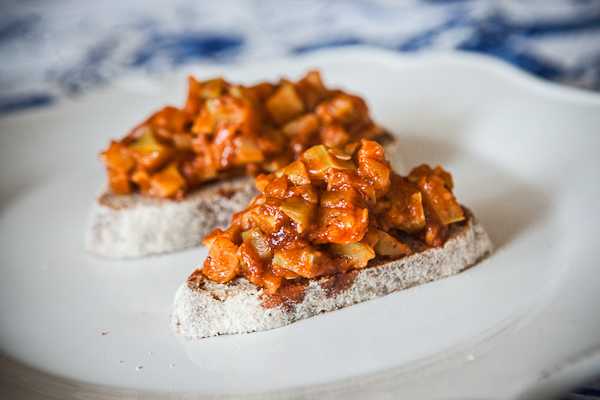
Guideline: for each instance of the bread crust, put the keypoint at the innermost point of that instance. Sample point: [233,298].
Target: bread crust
[212,309]
[131,226]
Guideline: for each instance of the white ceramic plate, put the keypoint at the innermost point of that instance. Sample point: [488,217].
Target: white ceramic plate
[525,158]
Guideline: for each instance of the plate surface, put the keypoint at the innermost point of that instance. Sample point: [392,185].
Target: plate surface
[524,157]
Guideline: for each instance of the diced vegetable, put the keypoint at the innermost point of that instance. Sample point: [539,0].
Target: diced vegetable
[297,173]
[224,111]
[149,152]
[212,88]
[277,188]
[343,108]
[210,238]
[313,78]
[351,147]
[348,198]
[261,91]
[167,183]
[441,200]
[285,104]
[340,153]
[334,135]
[193,101]
[117,158]
[204,123]
[273,144]
[232,234]
[338,179]
[146,142]
[300,211]
[370,150]
[337,225]
[318,160]
[259,242]
[406,212]
[237,112]
[142,179]
[168,121]
[275,165]
[283,273]
[271,282]
[359,253]
[303,126]
[119,182]
[377,173]
[267,218]
[262,181]
[182,142]
[252,266]
[311,89]
[388,246]
[305,261]
[201,169]
[200,91]
[367,191]
[435,232]
[425,170]
[222,263]
[307,192]
[247,151]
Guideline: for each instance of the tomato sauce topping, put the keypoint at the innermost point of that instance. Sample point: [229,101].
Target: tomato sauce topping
[226,129]
[333,210]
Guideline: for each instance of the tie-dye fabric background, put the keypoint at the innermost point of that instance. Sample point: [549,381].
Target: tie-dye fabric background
[63,47]
[52,49]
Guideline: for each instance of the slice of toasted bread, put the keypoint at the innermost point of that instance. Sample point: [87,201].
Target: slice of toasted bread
[205,308]
[135,226]
[129,226]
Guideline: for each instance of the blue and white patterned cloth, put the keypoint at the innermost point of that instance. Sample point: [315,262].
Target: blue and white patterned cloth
[52,49]
[60,48]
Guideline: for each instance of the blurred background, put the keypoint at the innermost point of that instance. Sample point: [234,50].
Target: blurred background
[62,48]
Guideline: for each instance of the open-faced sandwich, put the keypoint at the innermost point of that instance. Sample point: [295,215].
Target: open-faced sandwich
[333,228]
[184,171]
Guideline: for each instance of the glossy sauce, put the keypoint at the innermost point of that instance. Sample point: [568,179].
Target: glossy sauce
[328,214]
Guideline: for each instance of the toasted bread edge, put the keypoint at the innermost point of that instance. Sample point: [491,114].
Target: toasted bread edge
[217,309]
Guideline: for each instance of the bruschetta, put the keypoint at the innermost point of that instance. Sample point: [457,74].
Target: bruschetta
[184,171]
[333,228]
